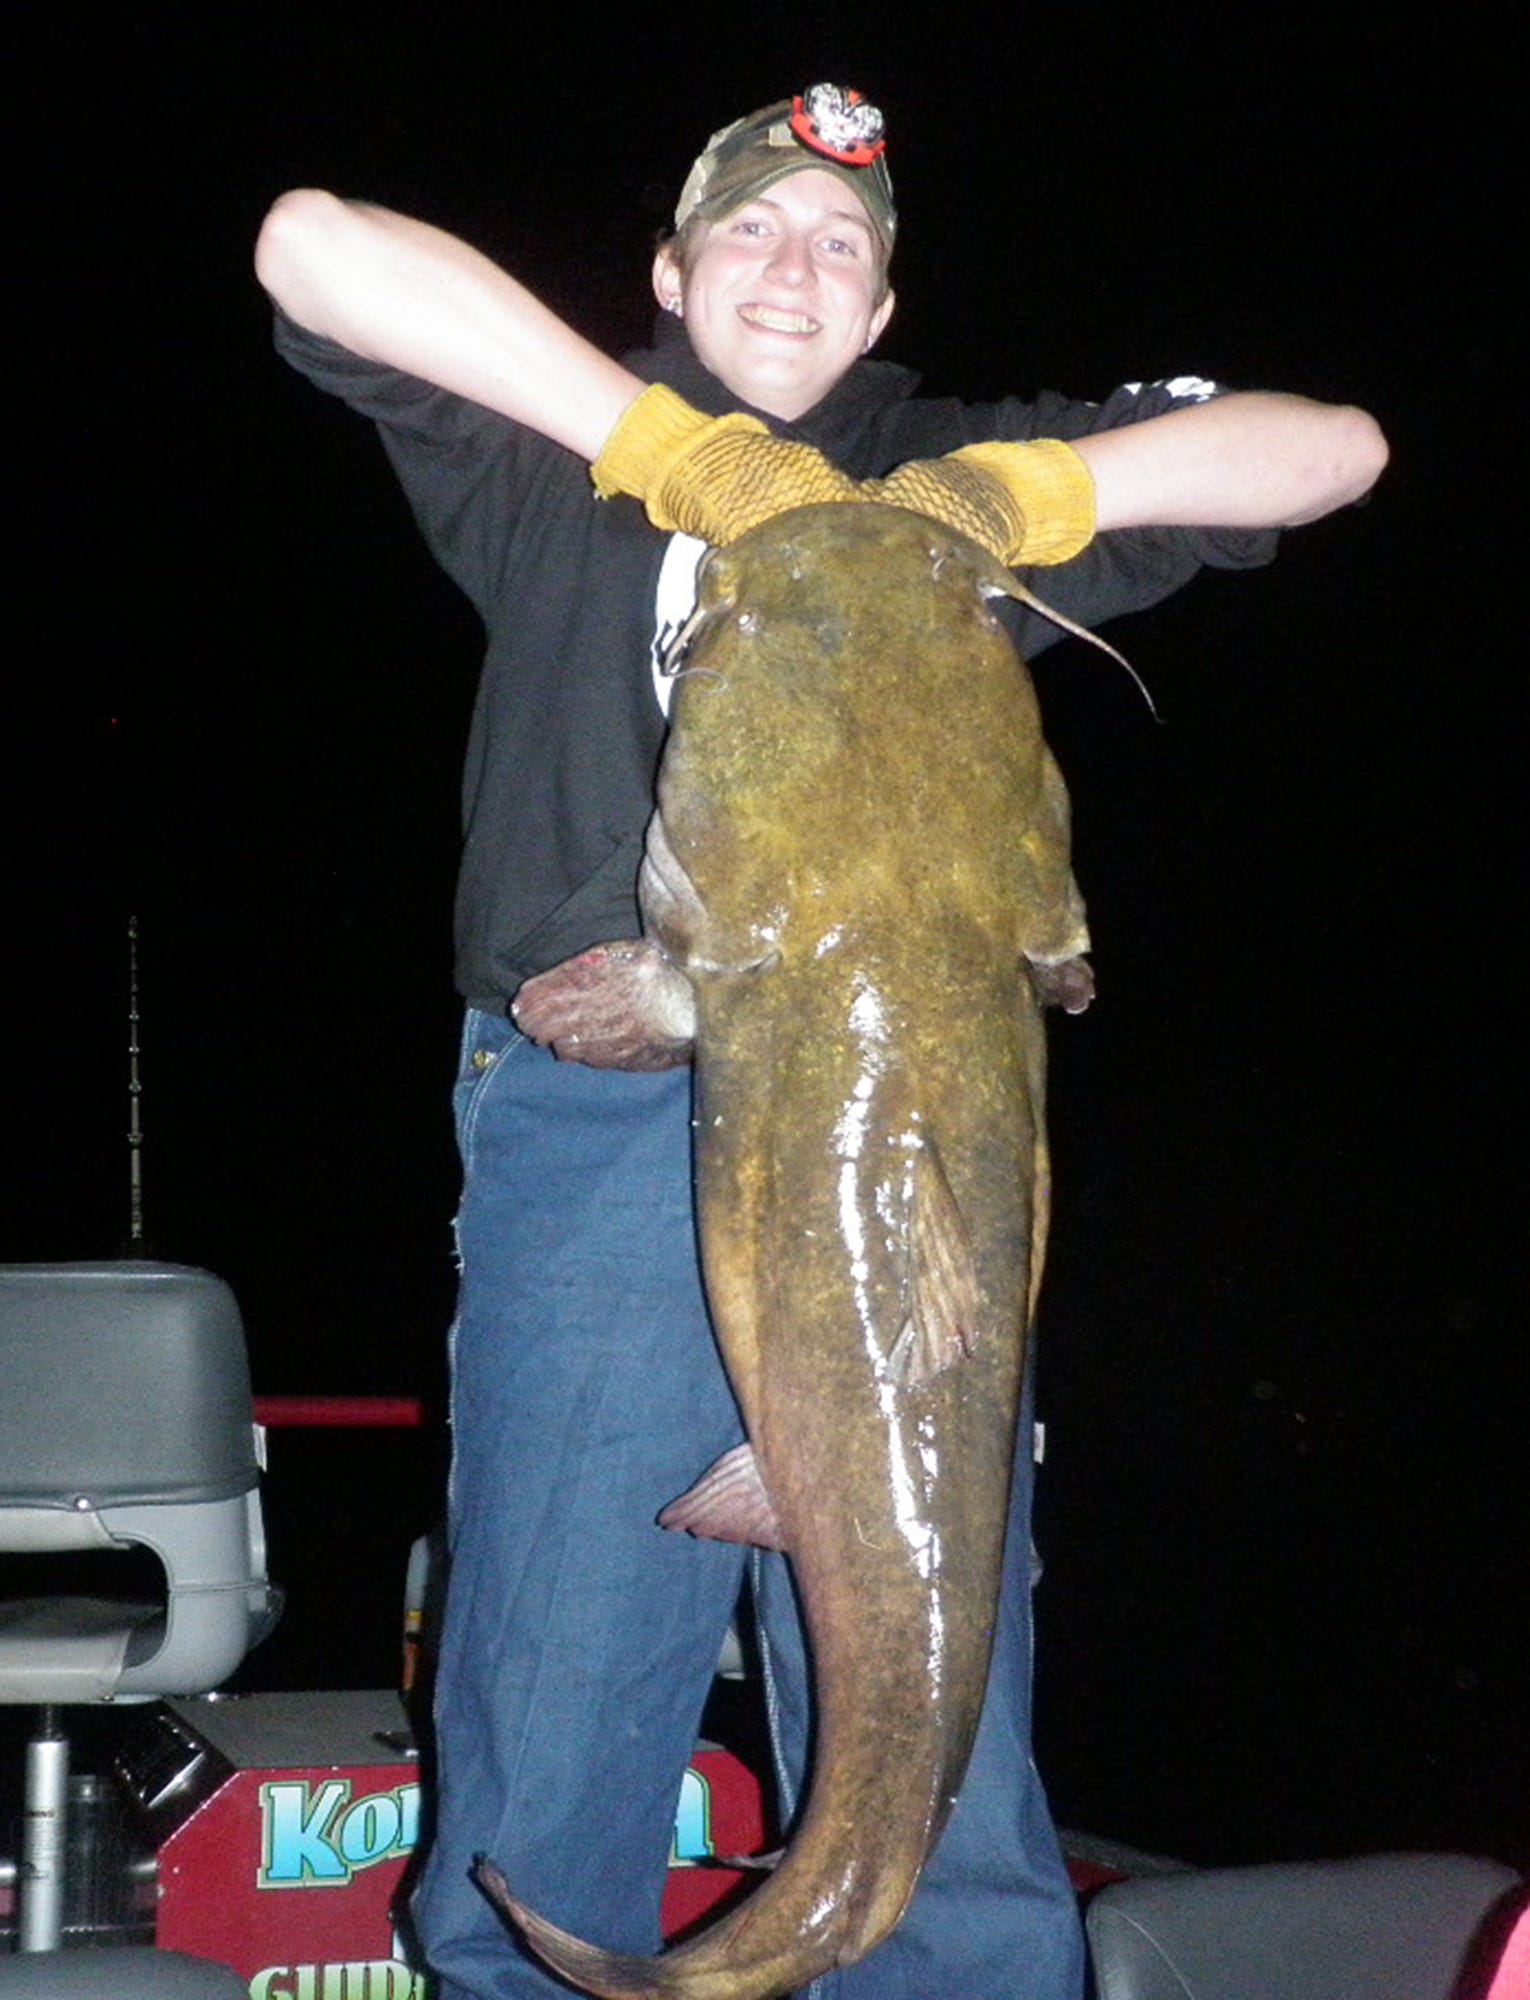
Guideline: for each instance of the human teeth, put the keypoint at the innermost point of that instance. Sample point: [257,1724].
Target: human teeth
[779,322]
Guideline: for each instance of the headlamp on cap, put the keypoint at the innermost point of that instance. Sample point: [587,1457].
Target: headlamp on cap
[839,123]
[827,126]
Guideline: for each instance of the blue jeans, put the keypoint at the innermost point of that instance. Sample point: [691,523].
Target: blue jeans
[580,1638]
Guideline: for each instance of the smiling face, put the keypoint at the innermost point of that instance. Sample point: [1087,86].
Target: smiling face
[784,294]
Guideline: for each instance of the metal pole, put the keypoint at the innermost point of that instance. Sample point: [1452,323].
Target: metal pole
[135,1093]
[41,1926]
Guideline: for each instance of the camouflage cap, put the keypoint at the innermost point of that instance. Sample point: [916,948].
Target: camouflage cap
[826,126]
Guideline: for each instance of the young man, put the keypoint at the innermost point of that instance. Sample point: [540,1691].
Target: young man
[587,1392]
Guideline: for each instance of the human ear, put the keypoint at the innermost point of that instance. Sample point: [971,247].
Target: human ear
[879,321]
[667,286]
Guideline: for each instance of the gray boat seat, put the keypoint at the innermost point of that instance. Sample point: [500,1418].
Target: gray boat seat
[117,1973]
[126,1419]
[126,1425]
[1381,1927]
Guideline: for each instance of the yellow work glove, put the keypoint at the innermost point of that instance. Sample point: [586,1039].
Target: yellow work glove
[1027,503]
[717,477]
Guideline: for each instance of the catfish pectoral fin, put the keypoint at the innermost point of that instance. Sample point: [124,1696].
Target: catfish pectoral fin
[944,1320]
[1068,984]
[625,1005]
[728,1503]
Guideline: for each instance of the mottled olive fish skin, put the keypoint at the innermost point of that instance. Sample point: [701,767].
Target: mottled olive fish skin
[861,841]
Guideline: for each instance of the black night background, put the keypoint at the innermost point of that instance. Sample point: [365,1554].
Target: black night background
[1283,1510]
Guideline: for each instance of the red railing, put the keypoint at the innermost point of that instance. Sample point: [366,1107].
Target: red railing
[340,1412]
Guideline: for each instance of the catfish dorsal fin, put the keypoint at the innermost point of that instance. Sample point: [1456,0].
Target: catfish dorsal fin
[944,1302]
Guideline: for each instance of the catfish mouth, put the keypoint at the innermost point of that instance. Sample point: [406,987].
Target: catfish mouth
[778,319]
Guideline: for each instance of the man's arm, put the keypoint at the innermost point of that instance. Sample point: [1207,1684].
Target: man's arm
[1254,460]
[408,295]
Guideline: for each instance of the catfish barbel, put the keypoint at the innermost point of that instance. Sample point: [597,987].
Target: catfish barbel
[856,894]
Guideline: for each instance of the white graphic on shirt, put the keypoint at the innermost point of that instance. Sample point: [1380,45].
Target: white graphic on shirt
[674,601]
[1183,388]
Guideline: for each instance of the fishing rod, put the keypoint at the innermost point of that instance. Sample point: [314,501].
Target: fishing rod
[136,1238]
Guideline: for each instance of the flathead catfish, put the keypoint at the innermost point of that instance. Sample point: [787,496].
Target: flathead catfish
[856,893]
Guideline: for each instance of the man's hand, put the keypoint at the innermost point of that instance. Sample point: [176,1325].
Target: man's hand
[615,1006]
[714,477]
[1026,503]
